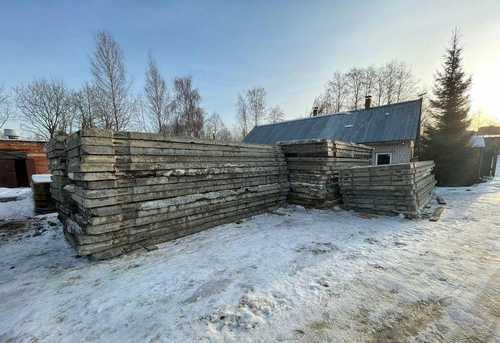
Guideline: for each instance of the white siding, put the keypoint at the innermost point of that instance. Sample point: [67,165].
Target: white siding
[401,152]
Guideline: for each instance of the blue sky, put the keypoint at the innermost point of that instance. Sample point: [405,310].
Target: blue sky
[290,48]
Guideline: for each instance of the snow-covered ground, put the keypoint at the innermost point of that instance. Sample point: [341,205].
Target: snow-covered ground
[41,178]
[22,208]
[293,275]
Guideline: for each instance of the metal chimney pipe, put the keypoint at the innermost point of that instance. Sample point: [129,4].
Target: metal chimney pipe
[368,102]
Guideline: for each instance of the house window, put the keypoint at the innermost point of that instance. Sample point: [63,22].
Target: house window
[383,158]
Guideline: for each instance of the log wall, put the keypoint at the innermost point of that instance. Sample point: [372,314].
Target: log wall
[120,191]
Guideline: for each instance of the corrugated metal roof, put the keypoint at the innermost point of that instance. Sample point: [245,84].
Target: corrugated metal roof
[393,122]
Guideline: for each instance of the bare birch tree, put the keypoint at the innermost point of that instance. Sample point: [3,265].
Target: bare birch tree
[158,100]
[189,115]
[393,82]
[224,135]
[369,81]
[4,107]
[215,129]
[141,119]
[337,92]
[390,81]
[242,116]
[251,109]
[276,115]
[355,84]
[85,107]
[110,82]
[379,86]
[45,107]
[321,104]
[334,97]
[405,82]
[256,104]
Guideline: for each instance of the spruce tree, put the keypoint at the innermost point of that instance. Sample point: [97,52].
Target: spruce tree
[446,139]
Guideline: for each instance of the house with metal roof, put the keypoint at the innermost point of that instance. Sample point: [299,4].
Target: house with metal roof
[392,130]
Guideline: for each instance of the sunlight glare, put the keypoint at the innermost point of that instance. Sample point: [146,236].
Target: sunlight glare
[484,91]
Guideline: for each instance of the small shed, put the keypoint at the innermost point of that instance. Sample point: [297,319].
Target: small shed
[20,159]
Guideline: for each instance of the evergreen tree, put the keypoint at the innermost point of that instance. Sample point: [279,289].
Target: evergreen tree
[446,139]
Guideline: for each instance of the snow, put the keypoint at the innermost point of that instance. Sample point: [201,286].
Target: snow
[477,141]
[13,192]
[291,275]
[41,178]
[16,203]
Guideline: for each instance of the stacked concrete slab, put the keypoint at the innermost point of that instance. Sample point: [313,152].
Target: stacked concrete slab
[314,167]
[133,190]
[390,189]
[56,153]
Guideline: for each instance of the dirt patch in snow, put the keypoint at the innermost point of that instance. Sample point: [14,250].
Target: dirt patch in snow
[18,229]
[208,289]
[317,248]
[251,311]
[11,226]
[409,321]
[14,228]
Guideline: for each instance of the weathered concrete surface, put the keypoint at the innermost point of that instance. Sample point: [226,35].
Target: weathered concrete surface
[121,191]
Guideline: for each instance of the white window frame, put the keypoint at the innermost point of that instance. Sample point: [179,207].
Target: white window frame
[383,153]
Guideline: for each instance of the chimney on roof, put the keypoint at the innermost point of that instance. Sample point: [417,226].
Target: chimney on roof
[315,111]
[368,102]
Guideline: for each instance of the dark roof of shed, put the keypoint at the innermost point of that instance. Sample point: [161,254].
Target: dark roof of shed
[395,122]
